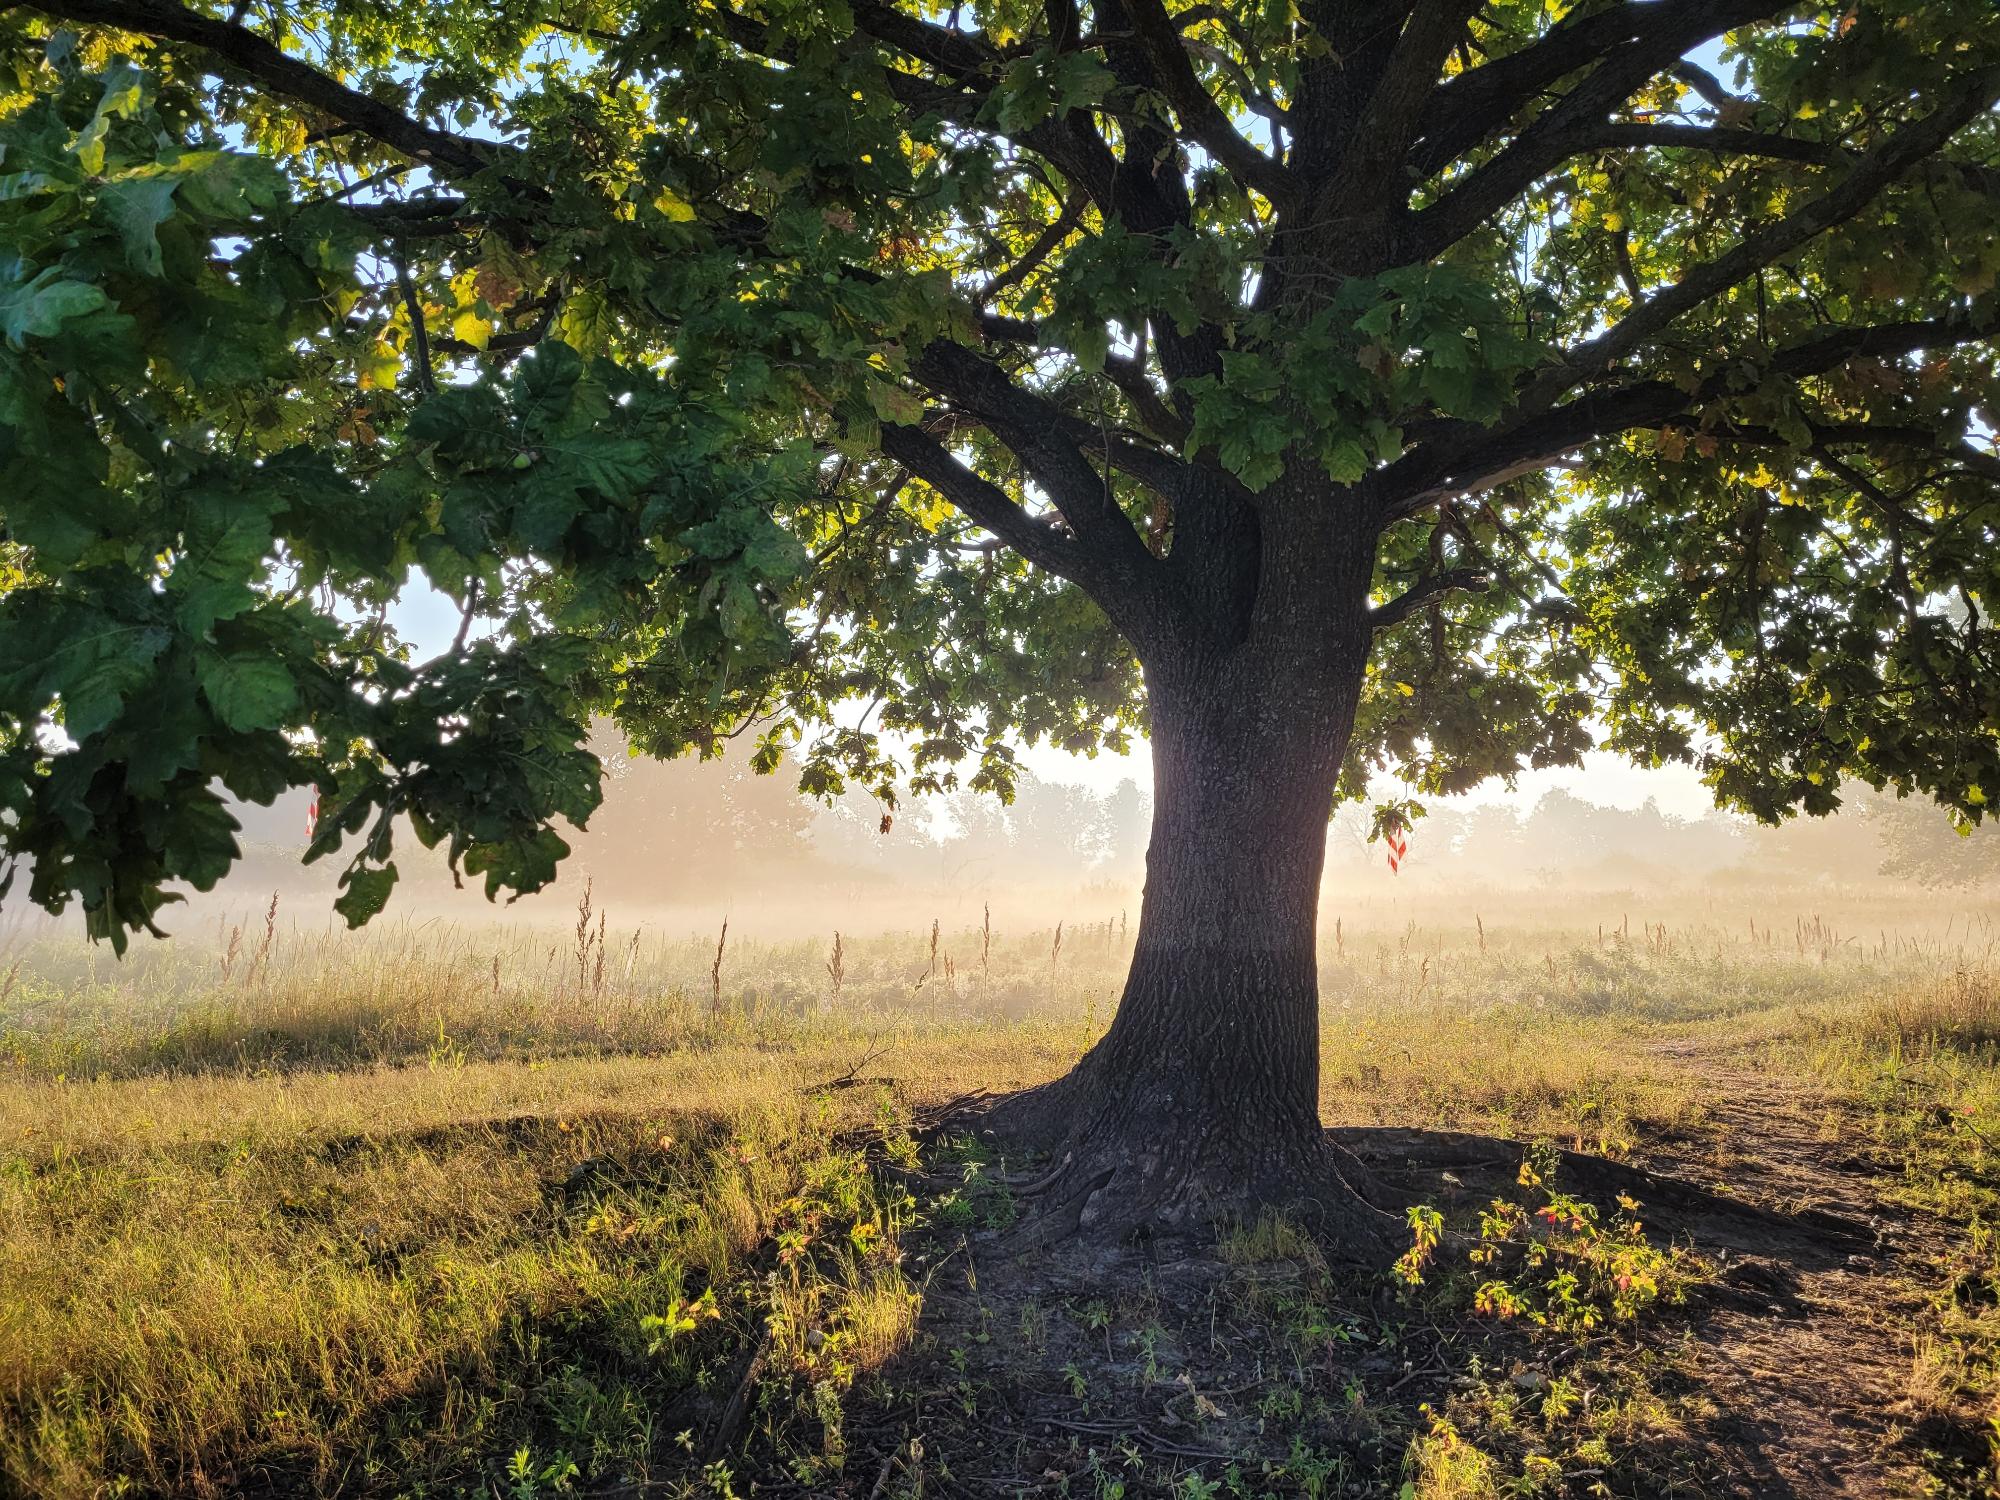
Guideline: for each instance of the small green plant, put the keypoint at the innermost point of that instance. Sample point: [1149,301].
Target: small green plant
[1550,1259]
[1444,1465]
[521,1471]
[526,1482]
[1426,1230]
[827,1407]
[1559,1398]
[1149,1346]
[1283,1403]
[1078,1383]
[1270,1237]
[1034,1325]
[1567,1269]
[680,1319]
[1313,1472]
[1097,1318]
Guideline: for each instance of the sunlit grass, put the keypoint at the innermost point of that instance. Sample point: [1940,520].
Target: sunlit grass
[339,1209]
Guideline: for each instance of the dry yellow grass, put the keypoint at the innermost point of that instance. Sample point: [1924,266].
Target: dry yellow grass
[255,1266]
[318,1220]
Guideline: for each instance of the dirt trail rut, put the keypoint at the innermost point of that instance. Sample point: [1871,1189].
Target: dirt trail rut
[1806,1345]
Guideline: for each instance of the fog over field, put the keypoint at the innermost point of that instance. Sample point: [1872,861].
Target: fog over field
[684,844]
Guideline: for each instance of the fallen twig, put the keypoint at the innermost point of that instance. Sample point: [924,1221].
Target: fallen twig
[739,1403]
[852,1077]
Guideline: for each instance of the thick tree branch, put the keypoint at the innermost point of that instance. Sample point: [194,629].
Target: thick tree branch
[1046,244]
[1124,371]
[986,503]
[1133,599]
[1430,587]
[1130,376]
[958,53]
[1723,142]
[1958,104]
[1371,164]
[1828,350]
[1878,436]
[1473,106]
[417,218]
[452,155]
[1022,420]
[1151,467]
[1202,119]
[1258,99]
[1559,132]
[1476,458]
[1704,83]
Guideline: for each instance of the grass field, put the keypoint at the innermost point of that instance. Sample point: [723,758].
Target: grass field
[527,1212]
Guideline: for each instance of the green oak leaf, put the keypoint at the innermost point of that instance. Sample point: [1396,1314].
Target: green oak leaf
[247,692]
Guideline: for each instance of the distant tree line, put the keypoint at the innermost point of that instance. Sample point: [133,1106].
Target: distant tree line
[686,831]
[1564,838]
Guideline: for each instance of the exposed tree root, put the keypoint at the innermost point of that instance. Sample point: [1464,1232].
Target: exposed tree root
[1119,1175]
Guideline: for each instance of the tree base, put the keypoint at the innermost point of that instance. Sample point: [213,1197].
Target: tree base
[1121,1169]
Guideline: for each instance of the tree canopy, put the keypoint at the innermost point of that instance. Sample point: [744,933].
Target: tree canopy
[868,374]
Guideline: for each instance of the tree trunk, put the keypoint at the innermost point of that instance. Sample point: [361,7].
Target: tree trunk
[1202,1100]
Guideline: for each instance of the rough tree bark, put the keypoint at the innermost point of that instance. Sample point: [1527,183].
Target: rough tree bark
[1202,1100]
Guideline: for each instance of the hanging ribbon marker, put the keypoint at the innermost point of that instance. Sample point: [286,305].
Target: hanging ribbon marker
[1399,844]
[312,814]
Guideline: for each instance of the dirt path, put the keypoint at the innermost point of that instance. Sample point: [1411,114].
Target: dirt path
[1801,1350]
[1807,1350]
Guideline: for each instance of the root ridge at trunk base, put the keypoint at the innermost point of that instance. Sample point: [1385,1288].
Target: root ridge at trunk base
[1177,1180]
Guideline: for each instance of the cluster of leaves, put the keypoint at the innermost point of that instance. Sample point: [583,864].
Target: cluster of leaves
[1813,624]
[1565,1268]
[1423,340]
[1426,1234]
[189,487]
[1569,1271]
[1760,588]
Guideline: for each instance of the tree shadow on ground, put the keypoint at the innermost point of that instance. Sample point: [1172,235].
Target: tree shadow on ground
[1247,1366]
[1241,1364]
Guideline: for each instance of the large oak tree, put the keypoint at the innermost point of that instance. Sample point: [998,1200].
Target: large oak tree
[1318,385]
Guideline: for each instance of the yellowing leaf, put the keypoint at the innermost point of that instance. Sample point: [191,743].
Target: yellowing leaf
[674,206]
[469,328]
[894,404]
[377,370]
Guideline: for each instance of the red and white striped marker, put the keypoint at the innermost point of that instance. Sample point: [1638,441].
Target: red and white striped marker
[1399,845]
[312,814]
